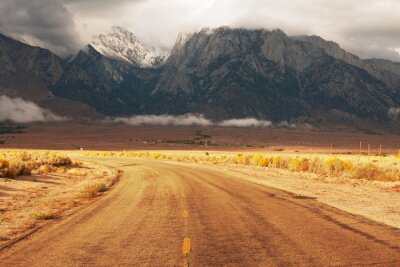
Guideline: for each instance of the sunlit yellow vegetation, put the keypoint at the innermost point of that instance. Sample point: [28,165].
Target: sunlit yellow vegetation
[15,163]
[92,190]
[337,166]
[42,215]
[354,166]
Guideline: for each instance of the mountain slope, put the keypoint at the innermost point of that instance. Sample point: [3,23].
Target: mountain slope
[29,72]
[22,65]
[384,70]
[113,87]
[223,73]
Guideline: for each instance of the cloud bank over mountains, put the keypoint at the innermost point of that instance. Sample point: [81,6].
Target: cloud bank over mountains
[367,28]
[180,120]
[45,23]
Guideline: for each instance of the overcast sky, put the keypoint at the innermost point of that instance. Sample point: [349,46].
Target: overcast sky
[368,28]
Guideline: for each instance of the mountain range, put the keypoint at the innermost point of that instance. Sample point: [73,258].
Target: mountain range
[222,73]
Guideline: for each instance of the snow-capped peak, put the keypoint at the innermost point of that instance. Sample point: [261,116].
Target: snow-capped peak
[123,45]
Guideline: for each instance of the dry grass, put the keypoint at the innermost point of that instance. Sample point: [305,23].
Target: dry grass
[93,190]
[337,166]
[373,172]
[351,166]
[43,215]
[16,163]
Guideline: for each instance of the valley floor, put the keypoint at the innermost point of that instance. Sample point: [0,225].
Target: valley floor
[111,136]
[185,201]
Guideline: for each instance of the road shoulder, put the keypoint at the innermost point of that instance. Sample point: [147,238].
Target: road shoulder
[30,203]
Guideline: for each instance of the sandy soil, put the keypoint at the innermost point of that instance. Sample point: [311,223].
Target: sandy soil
[104,136]
[376,200]
[228,222]
[59,193]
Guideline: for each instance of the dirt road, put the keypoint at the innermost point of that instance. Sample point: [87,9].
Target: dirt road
[163,214]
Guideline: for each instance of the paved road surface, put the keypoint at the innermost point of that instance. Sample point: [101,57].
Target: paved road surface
[164,214]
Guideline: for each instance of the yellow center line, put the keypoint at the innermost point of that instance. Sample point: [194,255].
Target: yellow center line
[186,245]
[185,263]
[185,214]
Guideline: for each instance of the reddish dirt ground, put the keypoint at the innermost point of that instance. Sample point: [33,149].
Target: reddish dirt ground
[102,136]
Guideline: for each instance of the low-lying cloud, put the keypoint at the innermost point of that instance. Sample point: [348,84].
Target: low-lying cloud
[181,120]
[394,113]
[21,111]
[193,119]
[248,122]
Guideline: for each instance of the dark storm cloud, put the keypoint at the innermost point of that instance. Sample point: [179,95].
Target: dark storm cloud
[368,28]
[45,23]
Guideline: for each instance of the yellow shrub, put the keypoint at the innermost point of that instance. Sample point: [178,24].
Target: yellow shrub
[316,165]
[242,159]
[212,159]
[238,159]
[92,190]
[255,159]
[43,215]
[44,169]
[155,155]
[299,165]
[263,162]
[12,172]
[276,161]
[4,165]
[279,162]
[337,166]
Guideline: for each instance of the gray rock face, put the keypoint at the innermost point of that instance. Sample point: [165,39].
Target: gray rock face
[388,72]
[333,50]
[384,70]
[239,73]
[384,65]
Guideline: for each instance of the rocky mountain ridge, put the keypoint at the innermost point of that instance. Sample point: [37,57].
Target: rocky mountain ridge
[222,73]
